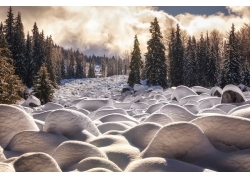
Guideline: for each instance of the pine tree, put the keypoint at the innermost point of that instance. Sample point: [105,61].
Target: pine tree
[212,68]
[135,64]
[29,69]
[43,88]
[11,87]
[9,29]
[232,61]
[201,61]
[246,75]
[91,73]
[79,64]
[50,61]
[71,64]
[190,64]
[170,55]
[156,68]
[18,49]
[103,66]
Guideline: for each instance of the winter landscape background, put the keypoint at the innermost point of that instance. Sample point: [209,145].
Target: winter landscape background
[171,95]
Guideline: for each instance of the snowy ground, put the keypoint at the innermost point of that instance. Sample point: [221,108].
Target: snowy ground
[91,126]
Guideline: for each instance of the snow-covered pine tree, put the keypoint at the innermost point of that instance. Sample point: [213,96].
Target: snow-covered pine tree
[9,29]
[155,64]
[71,64]
[50,60]
[232,60]
[103,67]
[190,64]
[170,55]
[18,49]
[43,88]
[212,68]
[246,75]
[91,73]
[135,64]
[79,65]
[11,87]
[29,69]
[178,59]
[201,61]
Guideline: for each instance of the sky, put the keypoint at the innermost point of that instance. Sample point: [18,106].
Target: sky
[110,30]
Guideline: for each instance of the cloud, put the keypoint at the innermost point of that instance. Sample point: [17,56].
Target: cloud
[111,30]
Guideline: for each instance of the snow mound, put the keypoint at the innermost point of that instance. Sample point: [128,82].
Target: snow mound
[31,141]
[122,105]
[2,156]
[156,164]
[242,113]
[183,141]
[200,90]
[12,121]
[159,97]
[182,91]
[94,104]
[159,118]
[42,116]
[32,101]
[112,126]
[117,118]
[224,107]
[39,124]
[205,104]
[36,162]
[141,135]
[177,113]
[70,153]
[214,100]
[216,91]
[192,108]
[232,94]
[5,167]
[96,162]
[104,112]
[186,99]
[238,108]
[229,130]
[214,110]
[154,108]
[52,106]
[69,123]
[98,170]
[139,105]
[117,149]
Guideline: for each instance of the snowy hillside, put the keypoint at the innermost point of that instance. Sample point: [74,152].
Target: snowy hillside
[103,125]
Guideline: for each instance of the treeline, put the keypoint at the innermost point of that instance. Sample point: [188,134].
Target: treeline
[215,59]
[179,59]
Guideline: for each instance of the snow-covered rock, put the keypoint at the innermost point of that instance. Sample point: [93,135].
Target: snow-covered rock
[232,94]
[117,118]
[94,104]
[52,106]
[69,123]
[200,90]
[12,121]
[182,91]
[242,113]
[159,118]
[216,91]
[32,101]
[112,126]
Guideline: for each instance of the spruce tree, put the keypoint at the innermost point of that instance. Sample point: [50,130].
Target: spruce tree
[43,88]
[232,60]
[103,66]
[91,72]
[246,75]
[178,58]
[71,64]
[11,87]
[201,61]
[18,49]
[79,64]
[135,64]
[170,55]
[9,29]
[190,64]
[156,68]
[29,69]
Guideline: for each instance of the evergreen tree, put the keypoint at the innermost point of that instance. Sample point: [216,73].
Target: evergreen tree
[9,29]
[71,64]
[103,66]
[177,61]
[232,61]
[50,61]
[212,68]
[18,50]
[170,55]
[29,69]
[91,73]
[11,88]
[201,61]
[246,76]
[135,64]
[156,68]
[190,64]
[43,88]
[79,64]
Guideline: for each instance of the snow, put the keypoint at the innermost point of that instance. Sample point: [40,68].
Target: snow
[69,123]
[92,126]
[12,121]
[32,100]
